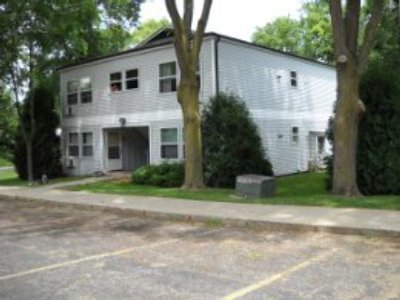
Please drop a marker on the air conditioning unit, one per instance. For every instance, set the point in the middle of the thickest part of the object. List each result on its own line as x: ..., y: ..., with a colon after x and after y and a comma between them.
x: 69, y: 111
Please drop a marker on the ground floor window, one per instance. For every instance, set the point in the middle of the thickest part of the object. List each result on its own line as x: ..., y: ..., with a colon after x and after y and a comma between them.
x: 169, y: 143
x: 295, y: 135
x: 87, y: 144
x: 73, y: 144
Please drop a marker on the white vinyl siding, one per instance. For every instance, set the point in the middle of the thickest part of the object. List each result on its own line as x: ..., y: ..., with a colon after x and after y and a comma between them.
x: 263, y: 79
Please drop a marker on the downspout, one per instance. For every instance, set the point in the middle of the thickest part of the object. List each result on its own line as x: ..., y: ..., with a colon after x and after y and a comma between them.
x: 216, y: 41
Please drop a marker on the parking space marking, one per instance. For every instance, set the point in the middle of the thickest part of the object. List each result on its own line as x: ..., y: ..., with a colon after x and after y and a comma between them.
x: 95, y: 257
x: 271, y: 279
x: 83, y: 259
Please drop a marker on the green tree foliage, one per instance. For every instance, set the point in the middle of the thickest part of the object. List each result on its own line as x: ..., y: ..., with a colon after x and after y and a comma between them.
x: 39, y: 35
x: 378, y: 150
x: 232, y: 145
x: 378, y: 159
x: 146, y: 29
x: 8, y: 123
x: 310, y: 36
x: 283, y: 33
x: 46, y: 145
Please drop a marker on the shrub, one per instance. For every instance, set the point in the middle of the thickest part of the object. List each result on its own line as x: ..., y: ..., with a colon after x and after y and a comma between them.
x: 231, y: 143
x: 164, y: 175
x: 46, y: 145
x: 378, y: 150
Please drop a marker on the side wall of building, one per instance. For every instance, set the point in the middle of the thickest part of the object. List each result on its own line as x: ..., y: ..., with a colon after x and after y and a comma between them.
x: 263, y: 80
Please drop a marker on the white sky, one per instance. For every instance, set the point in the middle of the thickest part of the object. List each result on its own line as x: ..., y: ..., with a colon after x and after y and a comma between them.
x: 237, y: 18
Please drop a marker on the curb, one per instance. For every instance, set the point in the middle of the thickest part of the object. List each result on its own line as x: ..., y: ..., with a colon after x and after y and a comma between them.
x: 229, y: 222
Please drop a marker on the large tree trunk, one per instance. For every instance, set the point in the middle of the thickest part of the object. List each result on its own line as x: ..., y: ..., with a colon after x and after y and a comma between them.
x: 188, y: 96
x: 349, y: 109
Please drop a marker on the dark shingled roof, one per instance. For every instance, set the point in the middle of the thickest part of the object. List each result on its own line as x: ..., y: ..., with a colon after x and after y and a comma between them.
x: 165, y: 37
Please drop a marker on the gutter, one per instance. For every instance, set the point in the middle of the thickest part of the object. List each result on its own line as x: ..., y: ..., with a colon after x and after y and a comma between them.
x: 216, y: 42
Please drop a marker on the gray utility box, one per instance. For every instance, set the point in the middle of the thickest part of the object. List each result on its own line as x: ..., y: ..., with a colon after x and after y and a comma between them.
x: 255, y: 186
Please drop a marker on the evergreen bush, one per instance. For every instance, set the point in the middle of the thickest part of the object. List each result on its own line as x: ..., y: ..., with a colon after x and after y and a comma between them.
x: 378, y: 151
x: 231, y: 142
x: 163, y: 175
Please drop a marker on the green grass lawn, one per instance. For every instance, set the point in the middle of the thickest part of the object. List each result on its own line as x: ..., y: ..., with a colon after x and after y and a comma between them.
x: 10, y: 178
x: 5, y: 163
x: 301, y: 189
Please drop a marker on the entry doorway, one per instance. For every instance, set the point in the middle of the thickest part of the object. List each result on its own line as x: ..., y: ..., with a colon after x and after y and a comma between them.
x: 135, y: 147
x: 127, y: 148
x: 317, y: 144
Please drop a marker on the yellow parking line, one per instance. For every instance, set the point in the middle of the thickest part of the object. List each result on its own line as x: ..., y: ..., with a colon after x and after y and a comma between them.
x: 96, y: 256
x: 83, y: 259
x: 262, y: 283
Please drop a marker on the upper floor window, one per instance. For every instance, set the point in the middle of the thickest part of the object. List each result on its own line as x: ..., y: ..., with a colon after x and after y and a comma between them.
x: 131, y: 79
x: 86, y: 90
x: 169, y: 143
x: 295, y: 135
x: 293, y: 78
x: 116, y: 82
x: 73, y: 144
x: 87, y: 144
x: 72, y: 92
x: 167, y: 75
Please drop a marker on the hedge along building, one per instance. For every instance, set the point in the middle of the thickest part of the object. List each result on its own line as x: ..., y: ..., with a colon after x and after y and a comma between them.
x: 120, y: 112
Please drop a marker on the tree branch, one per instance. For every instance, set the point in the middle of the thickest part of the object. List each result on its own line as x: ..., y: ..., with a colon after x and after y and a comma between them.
x: 351, y: 23
x: 372, y: 26
x: 178, y: 29
x: 201, y: 26
x: 188, y: 16
x: 338, y: 28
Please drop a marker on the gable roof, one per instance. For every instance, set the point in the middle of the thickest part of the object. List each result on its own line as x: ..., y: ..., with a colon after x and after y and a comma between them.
x: 165, y: 36
x: 160, y: 34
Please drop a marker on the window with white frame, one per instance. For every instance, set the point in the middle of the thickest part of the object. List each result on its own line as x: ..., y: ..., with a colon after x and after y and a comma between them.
x: 115, y: 82
x: 293, y: 78
x: 169, y: 143
x: 72, y: 92
x: 167, y: 77
x: 131, y: 79
x: 73, y: 144
x: 87, y: 144
x: 86, y: 90
x: 295, y: 135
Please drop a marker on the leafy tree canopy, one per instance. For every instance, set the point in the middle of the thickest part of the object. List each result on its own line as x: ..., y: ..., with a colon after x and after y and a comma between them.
x: 310, y: 36
x: 38, y: 35
x: 8, y: 123
x: 146, y: 29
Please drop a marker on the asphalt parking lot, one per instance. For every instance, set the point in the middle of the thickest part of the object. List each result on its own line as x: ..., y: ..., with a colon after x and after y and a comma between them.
x: 58, y: 253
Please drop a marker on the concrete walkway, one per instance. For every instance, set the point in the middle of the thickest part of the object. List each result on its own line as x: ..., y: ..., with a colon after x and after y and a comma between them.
x: 337, y: 220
